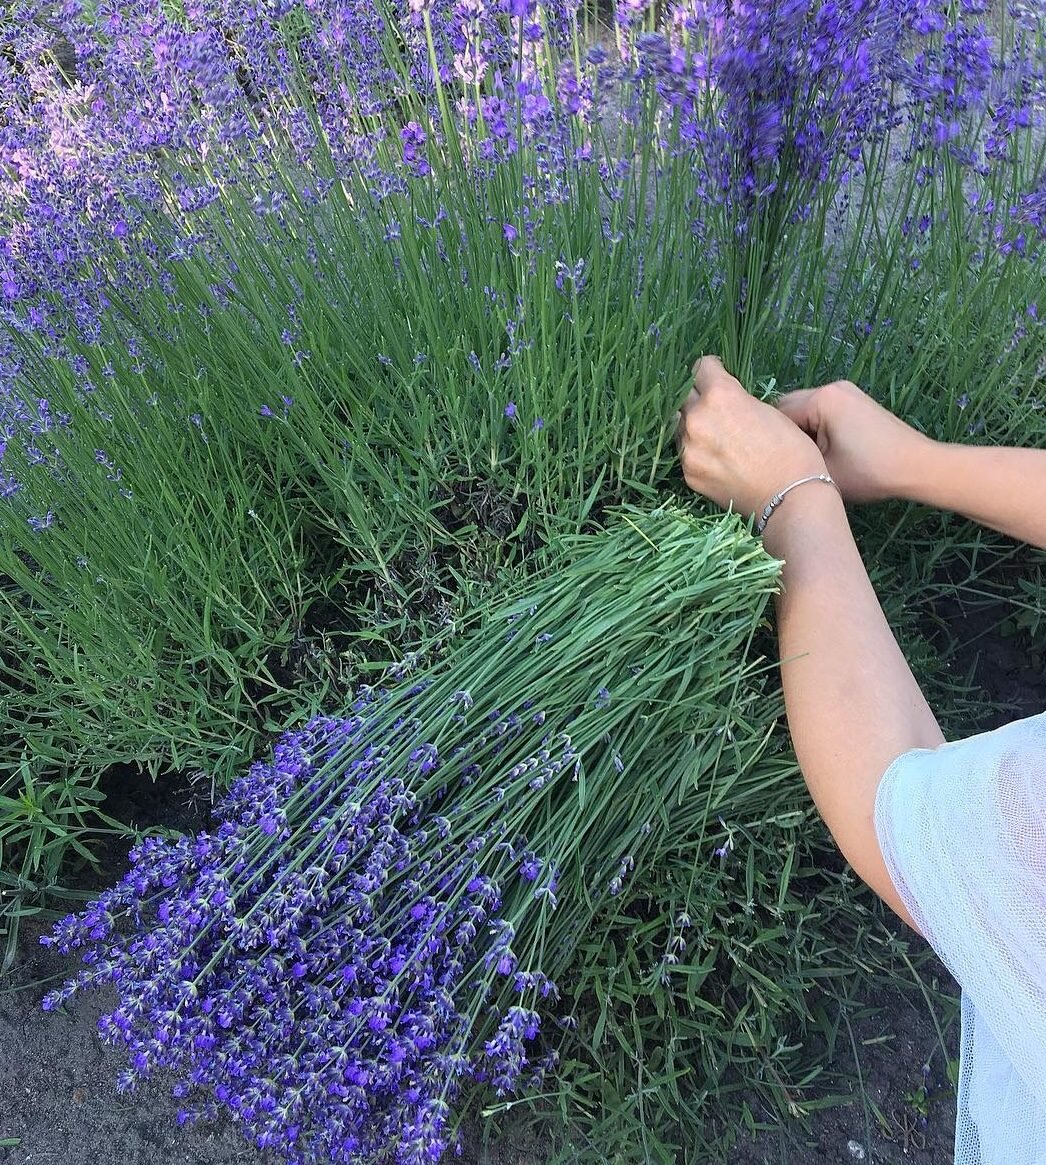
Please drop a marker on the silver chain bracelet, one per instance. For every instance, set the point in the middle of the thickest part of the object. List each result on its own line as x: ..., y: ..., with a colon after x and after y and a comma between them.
x: 776, y: 500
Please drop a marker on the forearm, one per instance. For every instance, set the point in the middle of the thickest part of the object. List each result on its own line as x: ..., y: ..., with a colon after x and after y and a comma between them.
x: 852, y: 702
x: 998, y: 487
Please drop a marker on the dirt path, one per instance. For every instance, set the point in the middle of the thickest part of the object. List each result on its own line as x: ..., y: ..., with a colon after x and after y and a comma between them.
x: 57, y: 1087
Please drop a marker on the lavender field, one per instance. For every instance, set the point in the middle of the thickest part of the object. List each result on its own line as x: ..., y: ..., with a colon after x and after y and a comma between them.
x: 393, y: 761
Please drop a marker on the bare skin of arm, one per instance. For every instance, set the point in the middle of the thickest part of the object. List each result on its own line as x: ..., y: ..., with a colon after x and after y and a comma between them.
x: 852, y: 703
x: 873, y: 455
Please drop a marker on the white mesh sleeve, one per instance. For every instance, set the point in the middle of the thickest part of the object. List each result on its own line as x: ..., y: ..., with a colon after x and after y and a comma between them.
x: 963, y: 831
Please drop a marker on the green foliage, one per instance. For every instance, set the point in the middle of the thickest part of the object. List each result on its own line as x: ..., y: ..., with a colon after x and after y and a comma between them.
x: 44, y: 822
x: 214, y: 567
x: 918, y: 1100
x: 219, y: 568
x: 705, y: 992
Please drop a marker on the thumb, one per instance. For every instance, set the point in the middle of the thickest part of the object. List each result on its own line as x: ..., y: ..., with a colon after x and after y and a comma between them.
x: 801, y: 407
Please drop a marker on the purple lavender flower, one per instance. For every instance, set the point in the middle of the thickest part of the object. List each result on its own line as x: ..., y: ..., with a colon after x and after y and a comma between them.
x: 414, y: 138
x: 426, y: 757
x: 39, y: 524
x: 299, y: 966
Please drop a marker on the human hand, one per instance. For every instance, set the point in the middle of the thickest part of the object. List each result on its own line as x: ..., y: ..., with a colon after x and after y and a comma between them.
x: 870, y: 454
x: 735, y: 449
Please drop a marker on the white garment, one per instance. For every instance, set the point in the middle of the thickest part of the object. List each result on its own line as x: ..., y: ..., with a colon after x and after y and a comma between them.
x: 963, y: 831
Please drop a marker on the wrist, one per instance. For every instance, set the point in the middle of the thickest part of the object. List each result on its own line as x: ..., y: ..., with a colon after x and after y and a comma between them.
x: 776, y: 499
x: 779, y: 479
x: 813, y: 504
x: 921, y: 471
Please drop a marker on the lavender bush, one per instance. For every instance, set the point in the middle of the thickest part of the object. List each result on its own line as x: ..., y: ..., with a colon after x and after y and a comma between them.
x: 360, y: 278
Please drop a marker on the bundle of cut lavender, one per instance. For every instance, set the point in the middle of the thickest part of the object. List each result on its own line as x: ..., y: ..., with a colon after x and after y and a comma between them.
x: 379, y: 919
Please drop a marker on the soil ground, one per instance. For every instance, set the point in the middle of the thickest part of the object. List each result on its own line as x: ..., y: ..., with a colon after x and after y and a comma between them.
x: 59, y: 1106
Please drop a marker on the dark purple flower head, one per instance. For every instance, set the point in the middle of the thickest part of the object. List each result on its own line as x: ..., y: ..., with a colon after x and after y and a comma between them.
x: 301, y: 962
